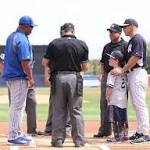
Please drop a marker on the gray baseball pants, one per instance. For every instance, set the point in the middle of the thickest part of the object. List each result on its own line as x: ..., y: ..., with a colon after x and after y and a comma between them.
x: 49, y: 120
x: 18, y: 92
x: 64, y: 95
x: 31, y: 111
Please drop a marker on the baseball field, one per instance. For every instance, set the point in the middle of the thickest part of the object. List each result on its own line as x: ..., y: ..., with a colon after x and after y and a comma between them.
x: 91, y: 116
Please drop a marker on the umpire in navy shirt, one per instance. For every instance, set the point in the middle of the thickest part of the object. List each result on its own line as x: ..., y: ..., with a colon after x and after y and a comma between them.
x: 67, y: 57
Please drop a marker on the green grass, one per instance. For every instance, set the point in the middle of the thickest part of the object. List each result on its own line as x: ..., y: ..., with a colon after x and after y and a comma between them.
x: 91, y: 106
x: 3, y: 112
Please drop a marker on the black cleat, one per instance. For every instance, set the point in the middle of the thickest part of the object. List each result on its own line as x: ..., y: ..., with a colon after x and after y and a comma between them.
x: 136, y: 136
x: 144, y: 138
x: 100, y: 135
x: 36, y: 133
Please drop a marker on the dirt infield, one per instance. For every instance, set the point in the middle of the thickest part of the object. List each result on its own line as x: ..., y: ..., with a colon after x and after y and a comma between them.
x: 43, y: 143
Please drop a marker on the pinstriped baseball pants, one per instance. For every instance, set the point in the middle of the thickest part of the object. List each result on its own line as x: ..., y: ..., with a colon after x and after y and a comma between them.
x: 137, y: 82
x: 18, y: 93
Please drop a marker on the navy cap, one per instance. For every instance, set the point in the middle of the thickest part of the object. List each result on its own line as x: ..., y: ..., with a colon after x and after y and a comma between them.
x: 26, y: 20
x: 116, y: 55
x: 129, y: 22
x: 67, y: 26
x: 61, y: 28
x: 115, y: 28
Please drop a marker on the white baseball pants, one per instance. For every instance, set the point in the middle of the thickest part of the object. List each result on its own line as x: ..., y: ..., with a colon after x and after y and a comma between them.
x: 137, y: 82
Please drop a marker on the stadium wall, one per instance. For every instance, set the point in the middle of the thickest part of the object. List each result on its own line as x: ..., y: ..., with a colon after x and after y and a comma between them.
x: 38, y: 70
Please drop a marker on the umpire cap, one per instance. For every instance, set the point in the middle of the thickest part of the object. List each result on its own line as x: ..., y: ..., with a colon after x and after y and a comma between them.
x: 67, y: 26
x: 117, y: 55
x: 115, y: 28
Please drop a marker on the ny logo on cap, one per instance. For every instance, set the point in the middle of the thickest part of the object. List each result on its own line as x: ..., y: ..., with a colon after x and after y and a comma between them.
x: 112, y: 25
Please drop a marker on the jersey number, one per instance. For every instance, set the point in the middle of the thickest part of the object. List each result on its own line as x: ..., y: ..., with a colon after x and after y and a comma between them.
x: 123, y: 84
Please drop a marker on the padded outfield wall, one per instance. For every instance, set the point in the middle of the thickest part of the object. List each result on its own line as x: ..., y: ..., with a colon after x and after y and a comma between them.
x: 38, y: 70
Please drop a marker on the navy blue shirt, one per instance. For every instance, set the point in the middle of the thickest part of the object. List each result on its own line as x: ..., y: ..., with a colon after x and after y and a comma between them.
x: 137, y: 47
x: 110, y: 47
x: 66, y: 54
x: 17, y: 49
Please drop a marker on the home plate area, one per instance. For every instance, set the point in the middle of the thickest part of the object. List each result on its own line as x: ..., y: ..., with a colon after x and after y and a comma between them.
x: 44, y: 143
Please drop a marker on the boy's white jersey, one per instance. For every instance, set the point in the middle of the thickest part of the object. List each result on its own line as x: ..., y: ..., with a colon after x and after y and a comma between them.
x: 118, y: 96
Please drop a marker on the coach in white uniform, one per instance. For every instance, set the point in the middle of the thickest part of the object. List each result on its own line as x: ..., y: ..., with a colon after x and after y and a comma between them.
x: 137, y: 78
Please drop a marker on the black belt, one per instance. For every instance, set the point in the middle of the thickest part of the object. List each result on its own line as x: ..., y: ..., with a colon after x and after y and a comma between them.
x: 66, y: 72
x: 130, y: 70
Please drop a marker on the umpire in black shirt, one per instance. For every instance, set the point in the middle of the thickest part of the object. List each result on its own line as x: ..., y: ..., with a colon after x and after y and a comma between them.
x: 67, y: 57
x: 116, y: 43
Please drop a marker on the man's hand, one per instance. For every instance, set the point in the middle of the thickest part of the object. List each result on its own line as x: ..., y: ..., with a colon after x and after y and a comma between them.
x: 31, y: 83
x: 45, y: 63
x: 117, y: 71
x: 46, y: 81
x: 107, y: 98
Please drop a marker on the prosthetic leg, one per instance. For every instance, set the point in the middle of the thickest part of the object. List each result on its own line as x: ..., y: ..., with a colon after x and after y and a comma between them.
x: 120, y: 131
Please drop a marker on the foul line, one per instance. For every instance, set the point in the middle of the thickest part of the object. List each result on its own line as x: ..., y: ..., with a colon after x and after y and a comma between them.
x: 14, y: 148
x: 104, y: 147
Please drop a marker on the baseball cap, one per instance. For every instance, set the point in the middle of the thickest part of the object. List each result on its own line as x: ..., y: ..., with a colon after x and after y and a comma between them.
x: 116, y: 55
x: 115, y: 28
x: 129, y: 22
x: 61, y: 28
x: 26, y: 20
x: 67, y: 26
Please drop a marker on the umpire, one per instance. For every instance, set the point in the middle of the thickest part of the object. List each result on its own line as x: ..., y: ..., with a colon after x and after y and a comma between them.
x: 116, y: 43
x: 48, y: 127
x: 67, y: 57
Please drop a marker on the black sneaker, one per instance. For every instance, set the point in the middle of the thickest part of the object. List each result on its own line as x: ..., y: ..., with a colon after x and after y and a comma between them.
x: 36, y: 133
x: 144, y: 138
x: 44, y: 133
x: 100, y: 135
x: 135, y: 136
x: 47, y: 133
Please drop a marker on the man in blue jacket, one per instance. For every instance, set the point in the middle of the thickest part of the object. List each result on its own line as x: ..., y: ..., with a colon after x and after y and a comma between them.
x: 18, y: 76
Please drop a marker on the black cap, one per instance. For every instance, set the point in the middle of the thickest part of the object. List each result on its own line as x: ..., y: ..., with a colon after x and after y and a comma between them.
x: 67, y: 26
x: 129, y: 22
x: 115, y: 28
x: 116, y: 55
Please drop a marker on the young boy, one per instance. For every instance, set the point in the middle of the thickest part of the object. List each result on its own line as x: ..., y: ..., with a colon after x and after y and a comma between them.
x: 116, y: 95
